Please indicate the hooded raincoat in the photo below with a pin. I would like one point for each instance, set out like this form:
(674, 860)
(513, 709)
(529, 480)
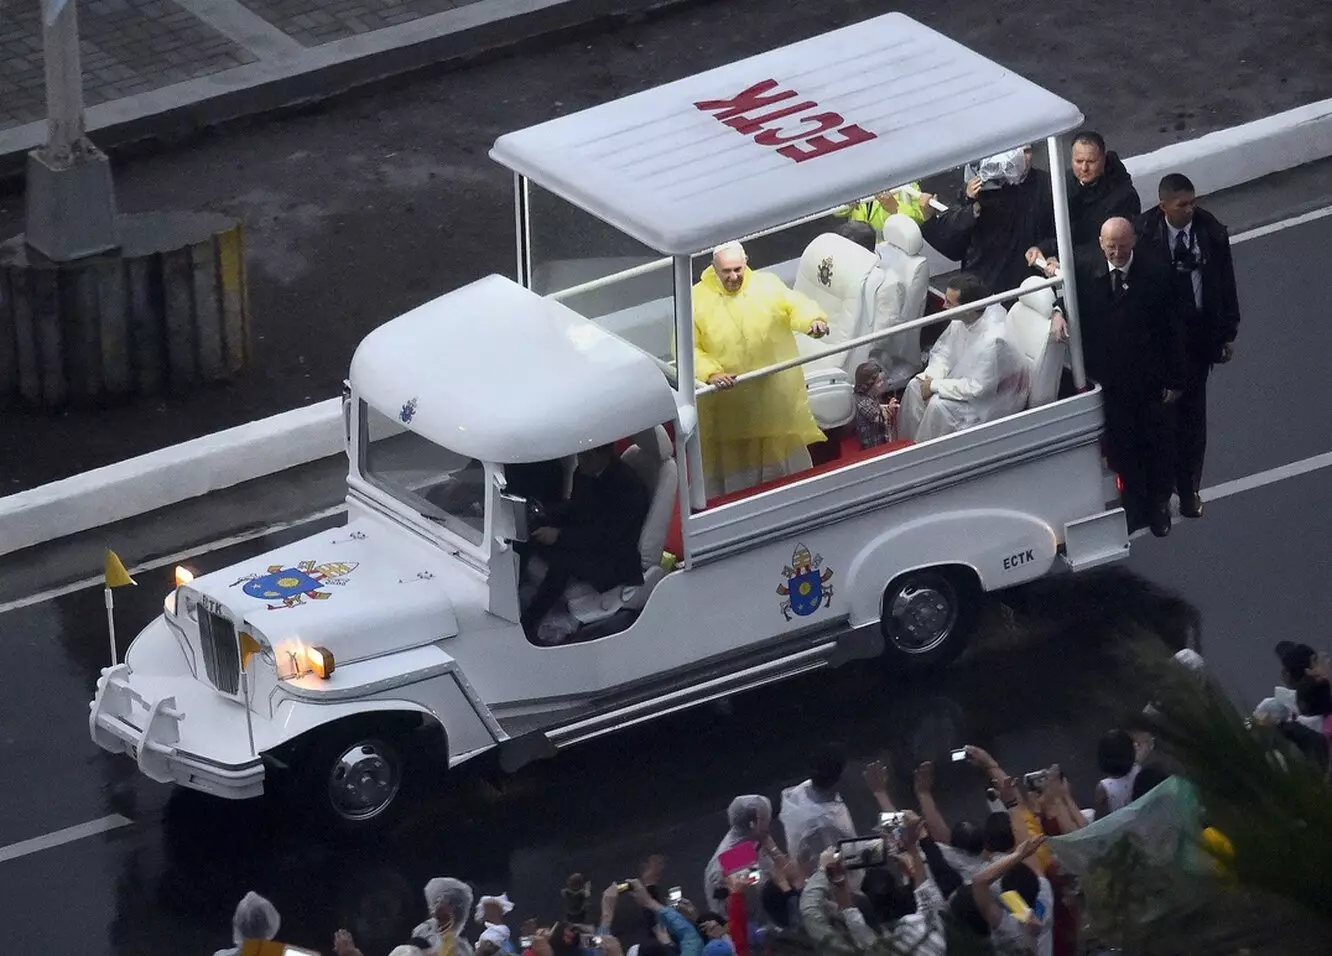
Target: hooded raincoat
(1089, 206)
(990, 235)
(447, 940)
(976, 374)
(741, 815)
(813, 824)
(760, 429)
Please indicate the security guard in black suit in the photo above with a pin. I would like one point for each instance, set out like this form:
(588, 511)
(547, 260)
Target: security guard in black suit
(1195, 247)
(1134, 347)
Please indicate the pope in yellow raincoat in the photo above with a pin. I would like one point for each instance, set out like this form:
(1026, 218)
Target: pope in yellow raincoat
(743, 321)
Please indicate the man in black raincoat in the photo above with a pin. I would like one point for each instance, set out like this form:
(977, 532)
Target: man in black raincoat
(1099, 189)
(1006, 209)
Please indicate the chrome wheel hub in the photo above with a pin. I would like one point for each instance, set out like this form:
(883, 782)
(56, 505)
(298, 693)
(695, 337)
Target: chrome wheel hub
(363, 781)
(923, 616)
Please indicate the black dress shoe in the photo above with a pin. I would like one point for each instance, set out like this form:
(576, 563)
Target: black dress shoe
(1191, 506)
(1160, 522)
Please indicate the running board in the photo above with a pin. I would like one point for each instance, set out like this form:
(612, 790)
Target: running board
(517, 752)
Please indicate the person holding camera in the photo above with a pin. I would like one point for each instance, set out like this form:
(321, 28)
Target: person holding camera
(897, 909)
(683, 934)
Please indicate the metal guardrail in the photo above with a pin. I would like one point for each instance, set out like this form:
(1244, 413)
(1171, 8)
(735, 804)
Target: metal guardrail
(849, 344)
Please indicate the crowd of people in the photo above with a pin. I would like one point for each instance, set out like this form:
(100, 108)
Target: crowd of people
(1157, 308)
(806, 878)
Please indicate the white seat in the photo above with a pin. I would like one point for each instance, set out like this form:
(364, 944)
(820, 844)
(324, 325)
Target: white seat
(845, 280)
(909, 271)
(1029, 331)
(651, 458)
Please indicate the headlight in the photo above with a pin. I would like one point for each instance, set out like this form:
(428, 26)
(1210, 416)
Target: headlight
(296, 659)
(183, 575)
(321, 661)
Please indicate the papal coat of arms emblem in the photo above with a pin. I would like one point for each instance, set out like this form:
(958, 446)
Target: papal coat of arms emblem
(806, 586)
(291, 586)
(825, 272)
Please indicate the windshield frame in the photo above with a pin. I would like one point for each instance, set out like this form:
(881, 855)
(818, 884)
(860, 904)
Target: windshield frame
(406, 504)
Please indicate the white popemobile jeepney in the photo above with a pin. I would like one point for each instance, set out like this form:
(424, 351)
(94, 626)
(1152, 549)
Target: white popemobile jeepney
(324, 662)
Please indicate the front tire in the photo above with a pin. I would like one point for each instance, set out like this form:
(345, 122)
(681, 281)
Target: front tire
(356, 777)
(928, 616)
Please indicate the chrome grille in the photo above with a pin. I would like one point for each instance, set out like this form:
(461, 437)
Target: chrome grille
(221, 654)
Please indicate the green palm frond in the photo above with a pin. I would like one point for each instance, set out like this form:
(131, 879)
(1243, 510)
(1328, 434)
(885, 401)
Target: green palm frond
(1275, 810)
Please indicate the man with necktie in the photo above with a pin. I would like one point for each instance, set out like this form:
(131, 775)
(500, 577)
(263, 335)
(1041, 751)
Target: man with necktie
(1195, 247)
(1133, 346)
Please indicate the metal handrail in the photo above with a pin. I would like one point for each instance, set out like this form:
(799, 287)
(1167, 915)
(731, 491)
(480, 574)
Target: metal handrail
(849, 344)
(656, 265)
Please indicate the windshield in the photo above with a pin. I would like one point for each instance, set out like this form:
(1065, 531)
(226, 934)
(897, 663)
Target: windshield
(442, 485)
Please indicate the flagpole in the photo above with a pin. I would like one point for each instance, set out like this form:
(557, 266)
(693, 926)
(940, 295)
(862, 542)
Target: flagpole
(111, 623)
(249, 717)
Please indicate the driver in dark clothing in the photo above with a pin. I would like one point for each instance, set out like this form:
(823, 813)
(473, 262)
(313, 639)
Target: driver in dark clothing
(593, 537)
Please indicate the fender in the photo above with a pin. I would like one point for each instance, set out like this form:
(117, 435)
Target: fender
(465, 730)
(1002, 547)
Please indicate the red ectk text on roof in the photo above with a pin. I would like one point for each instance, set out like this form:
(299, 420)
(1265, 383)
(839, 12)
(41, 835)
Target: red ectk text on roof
(810, 135)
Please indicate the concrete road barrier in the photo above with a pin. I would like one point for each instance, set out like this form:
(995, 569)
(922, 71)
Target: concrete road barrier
(1239, 154)
(170, 475)
(1215, 162)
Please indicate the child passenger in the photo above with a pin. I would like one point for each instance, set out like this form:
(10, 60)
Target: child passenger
(876, 422)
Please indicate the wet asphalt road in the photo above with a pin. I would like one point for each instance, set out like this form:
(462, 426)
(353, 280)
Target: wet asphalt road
(359, 209)
(1034, 692)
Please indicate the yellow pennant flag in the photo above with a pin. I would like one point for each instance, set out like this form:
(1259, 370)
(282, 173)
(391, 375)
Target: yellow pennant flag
(248, 648)
(116, 575)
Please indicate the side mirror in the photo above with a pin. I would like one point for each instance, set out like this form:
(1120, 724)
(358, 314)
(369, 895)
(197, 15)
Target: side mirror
(517, 508)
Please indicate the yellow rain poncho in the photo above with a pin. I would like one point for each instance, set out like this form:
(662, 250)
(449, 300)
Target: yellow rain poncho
(758, 430)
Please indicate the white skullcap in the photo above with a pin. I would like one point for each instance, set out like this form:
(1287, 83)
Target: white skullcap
(255, 918)
(732, 246)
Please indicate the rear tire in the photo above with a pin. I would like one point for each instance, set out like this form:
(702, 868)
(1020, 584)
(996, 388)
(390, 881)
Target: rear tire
(928, 616)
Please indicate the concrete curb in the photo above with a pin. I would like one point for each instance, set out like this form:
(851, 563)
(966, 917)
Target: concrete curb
(293, 76)
(1239, 154)
(1217, 161)
(170, 475)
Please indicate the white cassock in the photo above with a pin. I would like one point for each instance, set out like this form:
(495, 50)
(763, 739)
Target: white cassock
(977, 375)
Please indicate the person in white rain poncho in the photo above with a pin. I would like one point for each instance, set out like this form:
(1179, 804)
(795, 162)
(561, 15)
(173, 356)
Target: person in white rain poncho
(490, 913)
(975, 374)
(813, 814)
(449, 903)
(255, 918)
(750, 818)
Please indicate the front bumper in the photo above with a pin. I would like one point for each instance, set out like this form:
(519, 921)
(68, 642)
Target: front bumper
(122, 720)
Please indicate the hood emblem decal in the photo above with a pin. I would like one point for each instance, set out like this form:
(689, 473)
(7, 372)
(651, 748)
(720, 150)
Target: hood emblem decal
(291, 586)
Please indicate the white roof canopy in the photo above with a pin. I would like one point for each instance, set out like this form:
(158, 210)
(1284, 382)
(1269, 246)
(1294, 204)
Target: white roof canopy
(785, 134)
(496, 372)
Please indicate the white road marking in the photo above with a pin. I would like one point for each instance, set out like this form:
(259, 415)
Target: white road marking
(1272, 475)
(1260, 231)
(1249, 482)
(176, 558)
(60, 837)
